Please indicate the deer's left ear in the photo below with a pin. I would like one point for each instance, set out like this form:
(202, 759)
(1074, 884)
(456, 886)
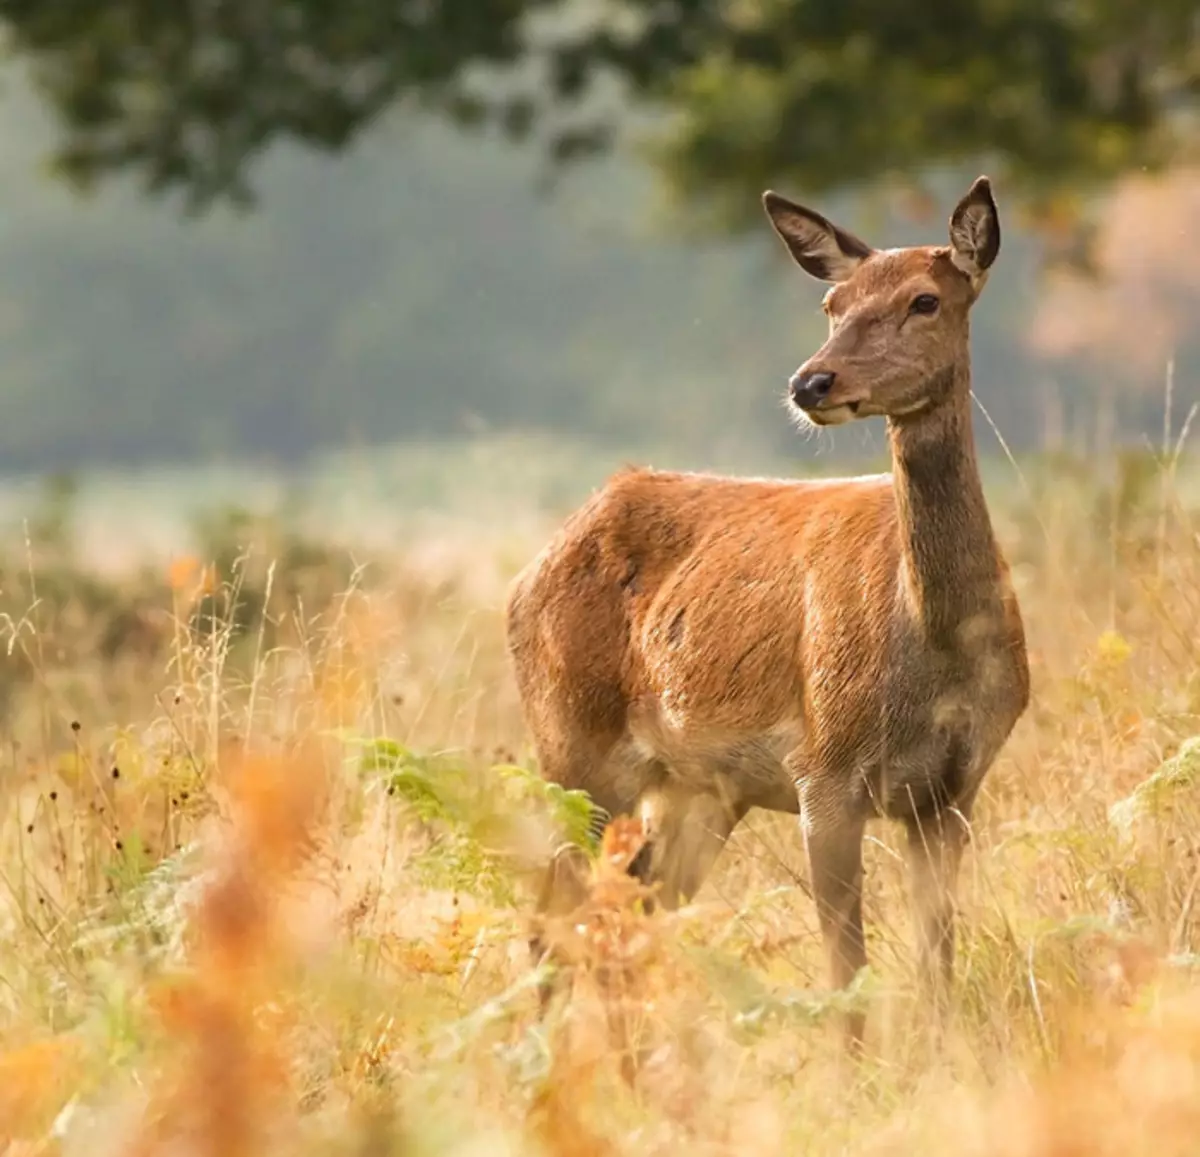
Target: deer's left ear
(975, 232)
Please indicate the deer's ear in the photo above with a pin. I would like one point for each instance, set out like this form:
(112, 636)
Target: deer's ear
(975, 232)
(818, 246)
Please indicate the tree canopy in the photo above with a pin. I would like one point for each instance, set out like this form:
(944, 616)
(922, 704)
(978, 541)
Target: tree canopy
(1053, 94)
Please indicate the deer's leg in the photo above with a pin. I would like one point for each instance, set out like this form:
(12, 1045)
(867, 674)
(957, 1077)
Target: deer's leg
(833, 841)
(564, 883)
(685, 830)
(935, 847)
(564, 888)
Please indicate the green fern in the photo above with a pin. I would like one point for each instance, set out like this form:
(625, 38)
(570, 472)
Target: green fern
(578, 816)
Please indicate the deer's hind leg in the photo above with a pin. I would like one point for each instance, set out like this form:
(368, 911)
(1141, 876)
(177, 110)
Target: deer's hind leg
(614, 785)
(686, 829)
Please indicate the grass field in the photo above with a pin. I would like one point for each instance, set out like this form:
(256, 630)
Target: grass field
(268, 821)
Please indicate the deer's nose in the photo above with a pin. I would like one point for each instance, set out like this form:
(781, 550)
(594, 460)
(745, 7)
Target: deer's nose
(809, 390)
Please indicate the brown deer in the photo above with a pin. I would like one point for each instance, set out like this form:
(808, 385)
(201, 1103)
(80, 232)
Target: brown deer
(691, 646)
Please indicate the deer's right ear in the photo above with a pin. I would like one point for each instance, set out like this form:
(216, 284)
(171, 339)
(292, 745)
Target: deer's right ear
(818, 246)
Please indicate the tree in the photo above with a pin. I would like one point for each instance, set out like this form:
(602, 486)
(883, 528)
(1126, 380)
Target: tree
(809, 94)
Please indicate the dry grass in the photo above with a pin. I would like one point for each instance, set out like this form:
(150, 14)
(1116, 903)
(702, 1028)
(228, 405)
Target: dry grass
(264, 876)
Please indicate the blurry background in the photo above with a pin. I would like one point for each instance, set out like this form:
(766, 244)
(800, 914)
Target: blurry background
(508, 242)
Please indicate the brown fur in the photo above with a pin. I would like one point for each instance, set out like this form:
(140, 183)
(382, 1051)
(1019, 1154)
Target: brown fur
(690, 646)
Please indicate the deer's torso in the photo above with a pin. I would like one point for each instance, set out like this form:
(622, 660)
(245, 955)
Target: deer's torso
(766, 638)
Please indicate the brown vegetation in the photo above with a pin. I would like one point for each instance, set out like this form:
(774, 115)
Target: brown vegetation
(271, 893)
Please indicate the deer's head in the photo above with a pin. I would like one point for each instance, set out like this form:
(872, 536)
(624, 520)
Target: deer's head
(897, 317)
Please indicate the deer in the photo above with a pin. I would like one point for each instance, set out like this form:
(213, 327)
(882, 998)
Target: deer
(690, 646)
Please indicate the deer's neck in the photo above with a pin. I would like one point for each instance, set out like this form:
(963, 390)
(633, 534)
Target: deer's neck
(949, 567)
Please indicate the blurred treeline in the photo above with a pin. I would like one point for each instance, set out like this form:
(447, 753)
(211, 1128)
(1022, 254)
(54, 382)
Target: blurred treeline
(317, 224)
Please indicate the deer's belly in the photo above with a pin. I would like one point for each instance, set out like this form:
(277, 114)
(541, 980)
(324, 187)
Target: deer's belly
(737, 763)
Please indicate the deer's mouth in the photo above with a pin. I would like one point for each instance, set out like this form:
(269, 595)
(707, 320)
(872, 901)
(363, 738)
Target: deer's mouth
(837, 415)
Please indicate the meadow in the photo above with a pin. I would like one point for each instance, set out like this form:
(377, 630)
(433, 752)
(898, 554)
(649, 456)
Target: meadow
(269, 831)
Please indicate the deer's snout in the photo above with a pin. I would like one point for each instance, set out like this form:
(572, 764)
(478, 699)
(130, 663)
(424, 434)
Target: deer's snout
(809, 389)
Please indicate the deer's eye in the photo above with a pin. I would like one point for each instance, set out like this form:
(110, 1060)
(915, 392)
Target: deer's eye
(924, 303)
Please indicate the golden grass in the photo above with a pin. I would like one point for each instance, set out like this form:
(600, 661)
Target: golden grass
(264, 885)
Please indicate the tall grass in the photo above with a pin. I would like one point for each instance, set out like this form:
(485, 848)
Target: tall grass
(269, 831)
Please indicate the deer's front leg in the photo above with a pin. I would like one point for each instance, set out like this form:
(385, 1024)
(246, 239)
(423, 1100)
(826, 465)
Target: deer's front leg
(935, 848)
(833, 841)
